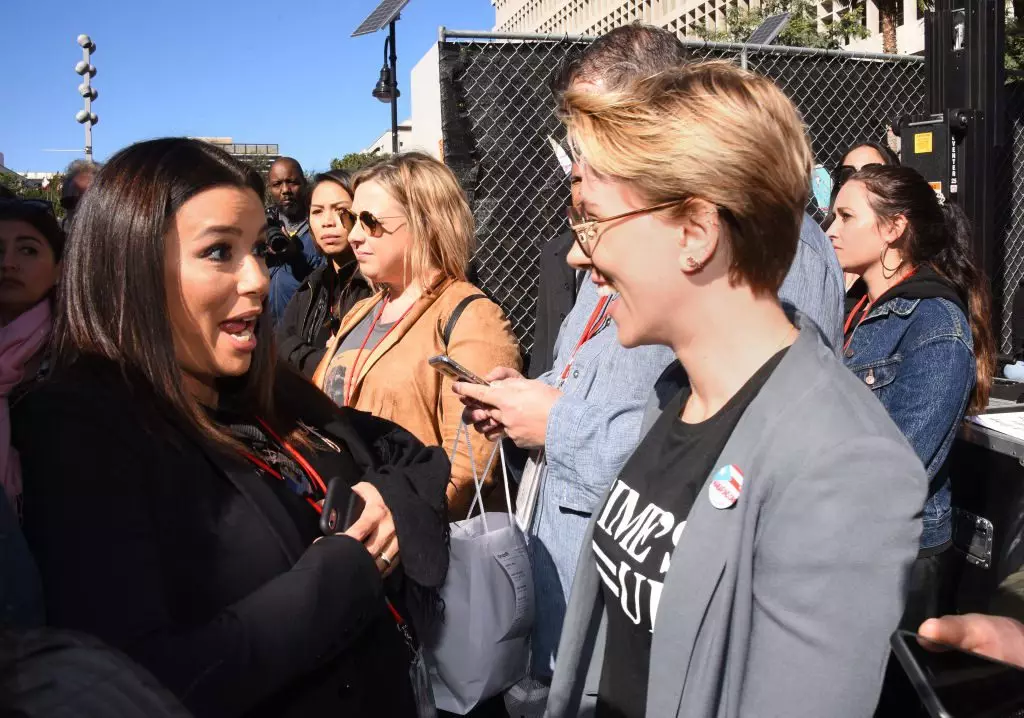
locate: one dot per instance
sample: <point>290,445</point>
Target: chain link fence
<point>496,110</point>
<point>1009,270</point>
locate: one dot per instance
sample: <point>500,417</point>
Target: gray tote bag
<point>482,647</point>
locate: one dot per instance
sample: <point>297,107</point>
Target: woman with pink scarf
<point>31,244</point>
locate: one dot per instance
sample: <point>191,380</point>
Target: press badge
<point>726,486</point>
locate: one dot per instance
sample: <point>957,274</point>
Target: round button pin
<point>726,486</point>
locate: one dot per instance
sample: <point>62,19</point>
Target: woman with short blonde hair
<point>412,233</point>
<point>758,539</point>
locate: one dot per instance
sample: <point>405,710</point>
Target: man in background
<point>293,253</point>
<point>77,179</point>
<point>557,287</point>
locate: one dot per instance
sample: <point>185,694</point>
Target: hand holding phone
<point>341,507</point>
<point>451,368</point>
<point>959,684</point>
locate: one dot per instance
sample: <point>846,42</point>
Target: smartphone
<point>451,368</point>
<point>952,683</point>
<point>341,508</point>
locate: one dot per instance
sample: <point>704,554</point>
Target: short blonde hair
<point>436,210</point>
<point>711,131</point>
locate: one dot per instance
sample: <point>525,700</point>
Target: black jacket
<point>303,331</point>
<point>556,294</point>
<point>187,560</point>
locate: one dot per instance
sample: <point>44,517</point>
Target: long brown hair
<point>938,235</point>
<point>113,302</point>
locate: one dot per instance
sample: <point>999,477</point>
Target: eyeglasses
<point>371,224</point>
<point>40,205</point>
<point>584,227</point>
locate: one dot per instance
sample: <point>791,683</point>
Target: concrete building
<point>260,156</point>
<point>596,17</point>
<point>382,145</point>
<point>425,81</point>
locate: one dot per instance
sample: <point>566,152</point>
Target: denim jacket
<point>592,430</point>
<point>917,356</point>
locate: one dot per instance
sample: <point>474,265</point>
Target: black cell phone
<point>341,508</point>
<point>451,368</point>
<point>959,684</point>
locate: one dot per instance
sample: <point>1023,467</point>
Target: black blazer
<point>557,287</point>
<point>188,561</point>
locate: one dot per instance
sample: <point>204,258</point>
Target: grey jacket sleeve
<point>830,573</point>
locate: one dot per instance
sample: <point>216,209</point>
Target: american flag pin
<point>726,486</point>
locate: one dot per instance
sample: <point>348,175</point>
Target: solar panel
<point>380,18</point>
<point>767,31</point>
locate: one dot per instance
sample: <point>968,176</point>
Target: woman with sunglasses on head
<point>31,245</point>
<point>741,556</point>
<point>920,338</point>
<point>863,154</point>
<point>412,232</point>
<point>314,314</point>
<point>174,472</point>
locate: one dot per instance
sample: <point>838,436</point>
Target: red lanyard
<point>350,385</point>
<point>593,325</point>
<point>311,473</point>
<point>315,477</point>
<point>849,326</point>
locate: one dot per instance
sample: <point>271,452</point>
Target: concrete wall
<point>426,105</point>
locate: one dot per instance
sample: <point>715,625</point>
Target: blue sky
<point>253,70</point>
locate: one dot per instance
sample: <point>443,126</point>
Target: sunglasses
<point>844,173</point>
<point>39,205</point>
<point>371,224</point>
<point>584,227</point>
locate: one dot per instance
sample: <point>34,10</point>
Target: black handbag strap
<point>454,318</point>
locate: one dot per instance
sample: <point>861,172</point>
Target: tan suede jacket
<point>396,383</point>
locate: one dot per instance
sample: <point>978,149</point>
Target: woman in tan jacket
<point>412,233</point>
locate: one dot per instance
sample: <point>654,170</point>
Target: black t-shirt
<point>640,525</point>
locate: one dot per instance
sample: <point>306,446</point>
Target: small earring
<point>692,265</point>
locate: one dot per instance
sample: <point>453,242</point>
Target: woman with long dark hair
<point>920,338</point>
<point>31,245</point>
<point>173,472</point>
<point>315,312</point>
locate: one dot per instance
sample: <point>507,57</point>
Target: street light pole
<point>394,89</point>
<point>86,69</point>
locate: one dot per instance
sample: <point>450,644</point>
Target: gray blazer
<point>781,605</point>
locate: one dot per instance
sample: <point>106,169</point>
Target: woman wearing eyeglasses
<point>314,314</point>
<point>744,563</point>
<point>412,233</point>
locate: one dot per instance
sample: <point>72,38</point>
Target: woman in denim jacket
<point>919,339</point>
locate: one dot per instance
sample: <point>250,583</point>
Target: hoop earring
<point>881,258</point>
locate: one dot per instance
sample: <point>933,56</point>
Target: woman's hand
<point>512,405</point>
<point>375,528</point>
<point>993,636</point>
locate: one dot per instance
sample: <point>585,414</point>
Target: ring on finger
<point>385,560</point>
